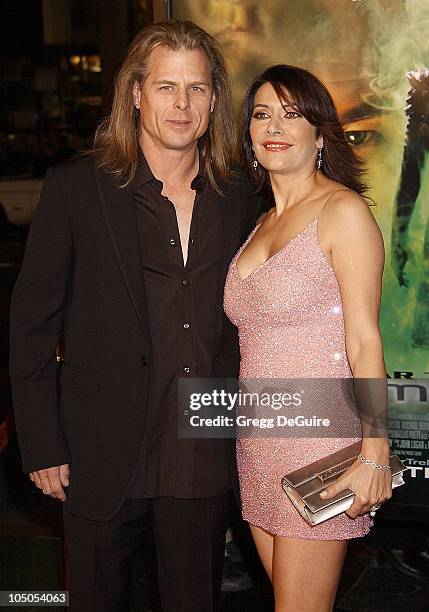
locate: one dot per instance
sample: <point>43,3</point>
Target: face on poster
<point>371,54</point>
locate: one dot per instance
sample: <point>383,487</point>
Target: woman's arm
<point>351,238</point>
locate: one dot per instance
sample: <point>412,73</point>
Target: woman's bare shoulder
<point>345,205</point>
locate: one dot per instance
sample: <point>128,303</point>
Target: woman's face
<point>282,139</point>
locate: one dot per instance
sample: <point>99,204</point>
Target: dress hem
<point>285,534</point>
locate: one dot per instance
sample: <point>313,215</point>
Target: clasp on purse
<point>335,470</point>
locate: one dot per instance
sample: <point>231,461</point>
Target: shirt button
<point>186,325</point>
<point>184,282</point>
<point>143,360</point>
<point>186,370</point>
<point>172,242</point>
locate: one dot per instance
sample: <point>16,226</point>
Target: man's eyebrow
<point>166,82</point>
<point>360,112</point>
<point>200,83</point>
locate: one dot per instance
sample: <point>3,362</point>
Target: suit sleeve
<point>36,320</point>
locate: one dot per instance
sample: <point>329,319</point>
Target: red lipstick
<point>276,145</point>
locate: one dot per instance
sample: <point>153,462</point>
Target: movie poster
<point>373,55</point>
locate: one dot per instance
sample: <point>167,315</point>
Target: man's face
<point>175,100</point>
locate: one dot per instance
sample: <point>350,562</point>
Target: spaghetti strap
<point>328,198</point>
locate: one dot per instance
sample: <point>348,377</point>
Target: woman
<point>304,292</point>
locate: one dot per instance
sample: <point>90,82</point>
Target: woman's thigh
<point>264,545</point>
<point>306,573</point>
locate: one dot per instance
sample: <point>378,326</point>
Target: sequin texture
<point>289,317</point>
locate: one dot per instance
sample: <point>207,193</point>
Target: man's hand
<point>52,480</point>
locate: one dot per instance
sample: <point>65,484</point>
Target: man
<point>128,253</point>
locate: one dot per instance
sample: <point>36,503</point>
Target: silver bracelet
<point>377,466</point>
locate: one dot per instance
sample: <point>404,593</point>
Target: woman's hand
<point>371,487</point>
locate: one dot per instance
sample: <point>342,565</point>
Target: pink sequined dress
<point>289,318</point>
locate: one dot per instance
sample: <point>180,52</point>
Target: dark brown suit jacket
<point>82,272</point>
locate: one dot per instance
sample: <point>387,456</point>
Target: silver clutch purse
<point>303,486</point>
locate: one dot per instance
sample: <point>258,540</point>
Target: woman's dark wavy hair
<point>304,92</point>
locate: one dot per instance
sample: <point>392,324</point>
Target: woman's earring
<point>319,158</point>
<point>255,163</point>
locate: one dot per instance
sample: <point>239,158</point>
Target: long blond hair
<point>116,139</point>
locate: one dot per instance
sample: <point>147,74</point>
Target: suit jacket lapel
<point>119,211</point>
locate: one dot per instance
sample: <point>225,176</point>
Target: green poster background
<point>374,56</point>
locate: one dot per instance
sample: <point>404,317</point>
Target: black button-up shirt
<point>183,309</point>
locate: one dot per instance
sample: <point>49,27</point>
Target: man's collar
<point>200,178</point>
<point>144,174</point>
